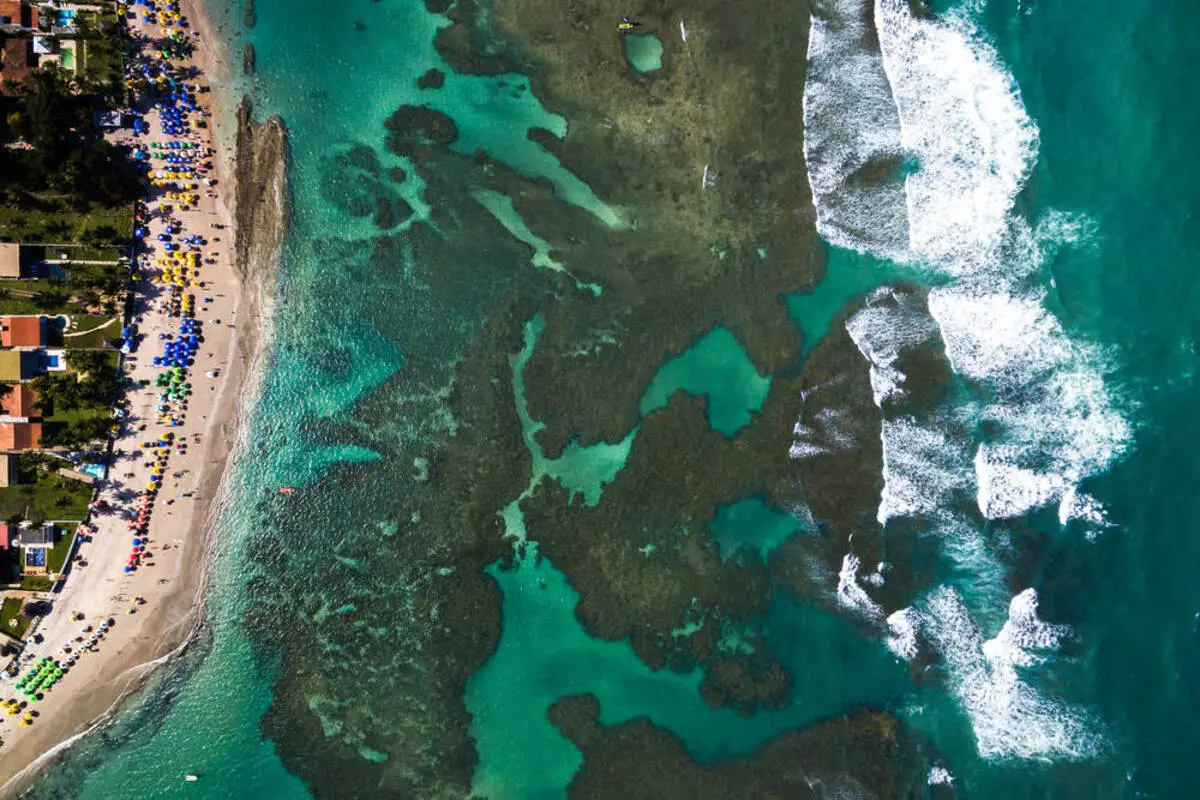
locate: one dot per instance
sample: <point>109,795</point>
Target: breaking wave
<point>1054,421</point>
<point>1039,418</point>
<point>882,332</point>
<point>851,595</point>
<point>1011,719</point>
<point>961,115</point>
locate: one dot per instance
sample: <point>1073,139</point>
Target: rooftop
<point>40,536</point>
<point>20,435</point>
<point>22,331</point>
<point>17,365</point>
<point>16,62</point>
<point>10,257</point>
<point>10,470</point>
<point>17,12</point>
<point>19,402</point>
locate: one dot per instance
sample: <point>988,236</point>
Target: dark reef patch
<point>431,79</point>
<point>864,753</point>
<point>411,127</point>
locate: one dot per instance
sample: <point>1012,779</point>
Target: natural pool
<point>643,51</point>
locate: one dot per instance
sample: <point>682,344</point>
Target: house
<point>41,537</point>
<point>64,53</point>
<point>19,403</point>
<point>36,542</point>
<point>18,13</point>
<point>108,119</point>
<point>5,542</point>
<point>10,258</point>
<point>17,435</point>
<point>16,63</point>
<point>18,365</point>
<point>10,471</point>
<point>29,331</point>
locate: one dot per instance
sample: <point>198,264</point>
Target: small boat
<point>287,490</point>
<point>626,24</point>
<point>190,778</point>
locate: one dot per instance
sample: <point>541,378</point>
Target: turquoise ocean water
<point>1106,88</point>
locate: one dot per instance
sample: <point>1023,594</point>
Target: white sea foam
<point>851,595</point>
<point>822,435</point>
<point>961,115</point>
<point>1010,717</point>
<point>923,468</point>
<point>902,633</point>
<point>1024,638</point>
<point>882,332</point>
<point>1049,421</point>
<point>939,776</point>
<point>1077,505</point>
<point>800,450</point>
<point>851,125</point>
<point>1057,421</point>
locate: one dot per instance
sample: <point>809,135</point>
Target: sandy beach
<point>156,610</point>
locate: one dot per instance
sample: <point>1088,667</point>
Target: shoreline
<point>253,204</point>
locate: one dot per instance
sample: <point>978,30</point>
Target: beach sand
<point>172,583</point>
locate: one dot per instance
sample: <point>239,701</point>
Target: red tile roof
<point>20,435</point>
<point>3,535</point>
<point>19,402</point>
<point>21,331</point>
<point>16,62</point>
<point>16,11</point>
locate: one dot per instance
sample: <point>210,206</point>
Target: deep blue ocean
<point>1040,221</point>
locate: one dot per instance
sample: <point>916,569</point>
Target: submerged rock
<point>432,79</point>
<point>411,127</point>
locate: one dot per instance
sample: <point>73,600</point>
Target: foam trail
<point>852,135</point>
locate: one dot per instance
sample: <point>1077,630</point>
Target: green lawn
<point>99,327</point>
<point>57,557</point>
<point>12,621</point>
<point>37,583</point>
<point>34,297</point>
<point>79,253</point>
<point>44,495</point>
<point>52,296</point>
<point>57,222</point>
